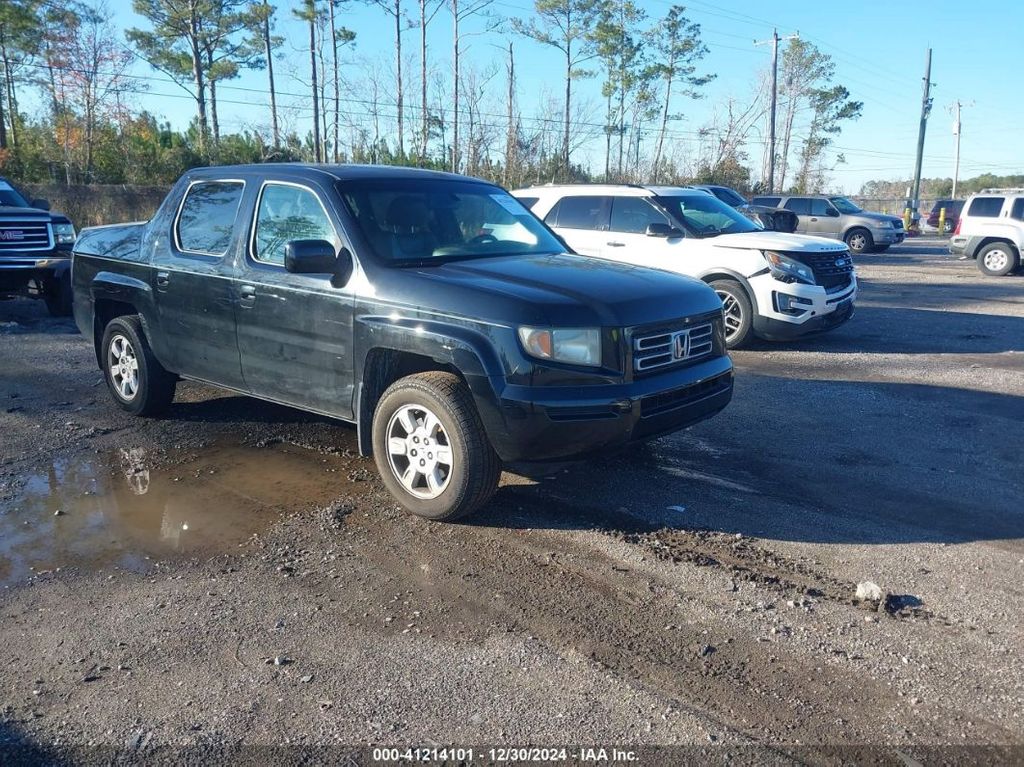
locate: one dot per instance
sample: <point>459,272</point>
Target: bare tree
<point>393,8</point>
<point>308,13</point>
<point>460,12</point>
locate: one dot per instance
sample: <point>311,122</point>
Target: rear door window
<point>528,202</point>
<point>799,205</point>
<point>768,202</point>
<point>206,220</point>
<point>986,207</point>
<point>579,212</point>
<point>1017,211</point>
<point>633,214</point>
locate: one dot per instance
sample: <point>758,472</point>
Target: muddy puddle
<point>117,509</point>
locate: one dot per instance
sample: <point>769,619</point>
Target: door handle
<point>813,219</point>
<point>163,279</point>
<point>615,244</point>
<point>246,296</point>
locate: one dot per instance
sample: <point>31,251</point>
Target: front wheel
<point>859,241</point>
<point>997,259</point>
<point>431,449</point>
<point>138,382</point>
<point>737,311</point>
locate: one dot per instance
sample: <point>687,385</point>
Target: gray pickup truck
<point>432,310</point>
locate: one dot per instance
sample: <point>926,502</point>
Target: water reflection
<point>104,510</point>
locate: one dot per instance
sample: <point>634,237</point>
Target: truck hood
<point>564,291</point>
<point>780,241</point>
<point>23,214</point>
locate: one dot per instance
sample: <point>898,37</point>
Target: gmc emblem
<point>12,234</point>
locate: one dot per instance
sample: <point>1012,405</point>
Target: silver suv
<point>840,219</point>
<point>991,230</point>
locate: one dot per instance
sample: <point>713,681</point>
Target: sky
<point>879,49</point>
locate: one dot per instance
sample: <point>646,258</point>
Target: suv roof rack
<point>1003,190</point>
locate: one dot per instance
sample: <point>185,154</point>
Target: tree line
<point>436,111</point>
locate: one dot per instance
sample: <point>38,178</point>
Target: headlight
<point>575,346</point>
<point>787,269</point>
<point>883,224</point>
<point>64,234</point>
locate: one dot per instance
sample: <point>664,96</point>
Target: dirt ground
<point>235,575</point>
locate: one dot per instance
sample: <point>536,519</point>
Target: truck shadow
<point>858,462</point>
<point>19,750</point>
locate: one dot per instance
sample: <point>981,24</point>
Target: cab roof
<point>338,172</point>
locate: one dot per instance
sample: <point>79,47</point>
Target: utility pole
<point>955,109</point>
<point>926,108</point>
<point>775,93</point>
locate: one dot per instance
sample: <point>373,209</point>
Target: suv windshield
<point>412,221</point>
<point>844,205</point>
<point>705,215</point>
<point>9,196</point>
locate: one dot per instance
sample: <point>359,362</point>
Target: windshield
<point>844,205</point>
<point>10,198</point>
<point>707,216</point>
<point>422,220</point>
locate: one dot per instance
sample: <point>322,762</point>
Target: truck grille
<point>674,346</point>
<point>831,269</point>
<point>25,235</point>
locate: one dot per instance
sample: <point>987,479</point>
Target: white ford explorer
<point>773,285</point>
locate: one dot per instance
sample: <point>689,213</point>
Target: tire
<point>859,240</point>
<point>430,412</point>
<point>137,382</point>
<point>880,249</point>
<point>997,259</point>
<point>59,297</point>
<point>738,310</point>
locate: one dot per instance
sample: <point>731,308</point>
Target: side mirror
<point>310,257</point>
<point>41,204</point>
<point>662,230</point>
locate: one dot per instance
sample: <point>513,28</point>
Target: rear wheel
<point>737,310</point>
<point>137,381</point>
<point>58,296</point>
<point>997,259</point>
<point>431,449</point>
<point>859,240</point>
<point>948,226</point>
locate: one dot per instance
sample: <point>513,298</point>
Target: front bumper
<point>821,309</point>
<point>888,236</point>
<point>21,274</point>
<point>549,423</point>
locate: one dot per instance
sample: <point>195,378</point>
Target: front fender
<point>469,351</point>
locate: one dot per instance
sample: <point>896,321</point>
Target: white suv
<point>773,285</point>
<point>991,230</point>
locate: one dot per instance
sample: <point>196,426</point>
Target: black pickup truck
<point>35,250</point>
<point>431,310</point>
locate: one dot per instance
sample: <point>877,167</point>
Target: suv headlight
<point>884,224</point>
<point>787,269</point>
<point>574,346</point>
<point>64,234</point>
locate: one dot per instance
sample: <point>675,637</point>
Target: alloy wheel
<point>733,313</point>
<point>995,259</point>
<point>419,451</point>
<point>124,367</point>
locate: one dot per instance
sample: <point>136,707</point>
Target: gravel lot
<point>235,575</point>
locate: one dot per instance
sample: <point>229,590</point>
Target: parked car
<point>990,230</point>
<point>773,285</point>
<point>35,250</point>
<point>953,208</point>
<point>841,219</point>
<point>729,196</point>
<point>431,310</point>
